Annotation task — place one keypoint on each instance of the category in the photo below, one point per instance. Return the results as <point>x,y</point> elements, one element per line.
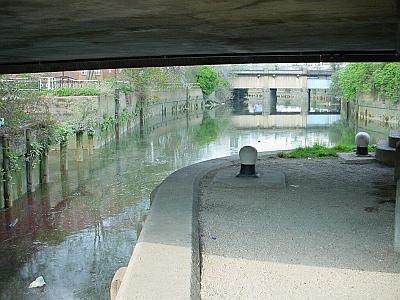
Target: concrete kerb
<point>165,263</point>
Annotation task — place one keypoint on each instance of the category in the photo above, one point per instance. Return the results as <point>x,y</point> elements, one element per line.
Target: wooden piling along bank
<point>28,162</point>
<point>5,143</point>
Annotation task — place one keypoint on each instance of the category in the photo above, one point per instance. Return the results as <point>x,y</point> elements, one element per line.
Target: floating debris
<point>39,282</point>
<point>13,223</point>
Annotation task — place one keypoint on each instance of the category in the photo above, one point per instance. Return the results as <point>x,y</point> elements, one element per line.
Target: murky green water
<point>80,229</point>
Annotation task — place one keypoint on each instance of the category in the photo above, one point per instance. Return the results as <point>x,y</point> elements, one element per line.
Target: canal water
<point>80,229</point>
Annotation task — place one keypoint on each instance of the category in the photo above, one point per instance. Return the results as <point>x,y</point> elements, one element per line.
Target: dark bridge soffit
<point>42,35</point>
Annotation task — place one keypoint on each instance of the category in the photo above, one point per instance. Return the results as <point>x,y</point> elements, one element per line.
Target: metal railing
<point>50,83</point>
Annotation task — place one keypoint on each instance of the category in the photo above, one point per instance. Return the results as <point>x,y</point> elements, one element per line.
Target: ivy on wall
<point>387,81</point>
<point>363,78</point>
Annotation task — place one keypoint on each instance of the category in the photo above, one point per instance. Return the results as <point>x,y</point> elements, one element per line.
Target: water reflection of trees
<point>208,131</point>
<point>341,133</point>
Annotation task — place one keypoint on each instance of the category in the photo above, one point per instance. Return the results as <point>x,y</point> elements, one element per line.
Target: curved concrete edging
<point>165,263</point>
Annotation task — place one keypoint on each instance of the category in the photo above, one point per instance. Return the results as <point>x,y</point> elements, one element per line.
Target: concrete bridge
<point>275,79</point>
<point>262,88</point>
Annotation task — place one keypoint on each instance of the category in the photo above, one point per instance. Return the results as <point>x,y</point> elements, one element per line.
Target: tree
<point>208,79</point>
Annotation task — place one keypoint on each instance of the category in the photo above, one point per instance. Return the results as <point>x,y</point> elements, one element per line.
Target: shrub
<point>66,92</point>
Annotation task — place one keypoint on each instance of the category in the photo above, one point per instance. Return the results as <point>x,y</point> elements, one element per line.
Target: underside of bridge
<point>43,35</point>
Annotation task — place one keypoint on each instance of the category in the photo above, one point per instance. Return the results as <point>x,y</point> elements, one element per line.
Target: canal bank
<point>328,230</point>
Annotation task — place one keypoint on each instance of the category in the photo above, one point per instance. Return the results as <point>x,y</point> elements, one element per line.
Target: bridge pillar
<point>305,101</point>
<point>270,100</point>
<point>274,100</point>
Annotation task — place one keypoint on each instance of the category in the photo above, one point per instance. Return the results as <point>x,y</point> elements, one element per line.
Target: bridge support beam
<point>305,96</point>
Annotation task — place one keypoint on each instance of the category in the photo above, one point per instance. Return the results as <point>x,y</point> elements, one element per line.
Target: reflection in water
<point>344,133</point>
<point>208,131</point>
<point>341,133</point>
<point>80,229</point>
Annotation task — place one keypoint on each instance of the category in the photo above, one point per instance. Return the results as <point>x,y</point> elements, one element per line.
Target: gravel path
<point>327,235</point>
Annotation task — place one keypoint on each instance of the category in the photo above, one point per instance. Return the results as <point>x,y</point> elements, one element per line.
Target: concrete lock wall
<point>372,108</point>
<point>166,101</point>
<point>65,108</point>
<point>175,100</point>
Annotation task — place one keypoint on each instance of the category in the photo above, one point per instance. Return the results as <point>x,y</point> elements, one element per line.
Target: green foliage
<point>208,79</point>
<point>357,78</point>
<point>312,152</point>
<point>85,116</point>
<point>66,92</point>
<point>345,148</point>
<point>63,132</point>
<point>107,123</point>
<point>126,115</point>
<point>108,87</point>
<point>387,81</point>
<point>15,161</point>
<point>321,151</point>
<point>36,152</point>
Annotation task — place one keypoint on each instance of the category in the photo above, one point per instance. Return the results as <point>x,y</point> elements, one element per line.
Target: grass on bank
<point>320,151</point>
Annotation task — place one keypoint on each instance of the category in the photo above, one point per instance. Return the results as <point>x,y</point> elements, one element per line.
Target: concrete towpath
<point>322,231</point>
